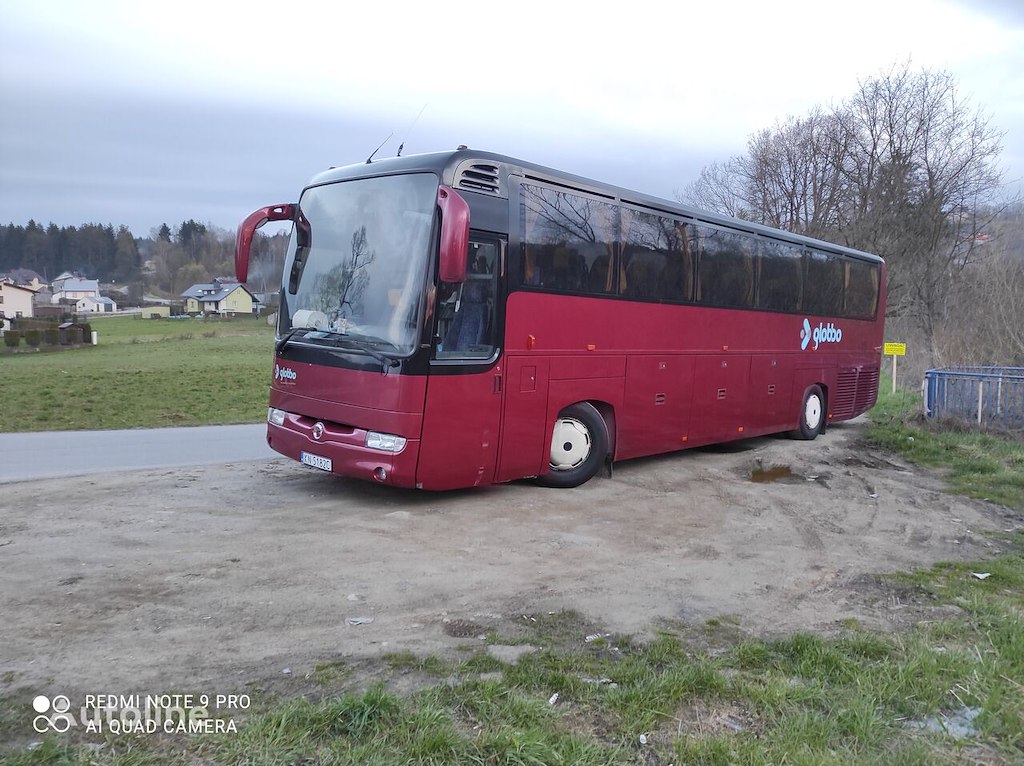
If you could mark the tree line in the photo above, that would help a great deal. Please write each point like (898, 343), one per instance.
(94, 249)
(908, 169)
(164, 263)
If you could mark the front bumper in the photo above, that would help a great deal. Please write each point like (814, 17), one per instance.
(346, 448)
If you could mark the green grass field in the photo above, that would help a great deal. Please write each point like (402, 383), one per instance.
(988, 466)
(143, 373)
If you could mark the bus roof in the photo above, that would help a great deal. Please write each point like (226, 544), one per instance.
(487, 172)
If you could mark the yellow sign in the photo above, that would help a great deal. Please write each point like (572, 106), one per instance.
(895, 349)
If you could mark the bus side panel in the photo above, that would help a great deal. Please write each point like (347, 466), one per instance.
(720, 398)
(523, 426)
(655, 416)
(587, 367)
(771, 385)
(459, 445)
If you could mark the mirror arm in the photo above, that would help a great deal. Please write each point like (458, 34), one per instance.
(247, 232)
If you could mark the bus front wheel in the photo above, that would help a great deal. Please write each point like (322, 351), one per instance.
(579, 444)
(812, 414)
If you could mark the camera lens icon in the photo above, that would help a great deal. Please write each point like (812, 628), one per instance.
(59, 722)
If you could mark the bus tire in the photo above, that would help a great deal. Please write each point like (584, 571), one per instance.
(579, 445)
(812, 414)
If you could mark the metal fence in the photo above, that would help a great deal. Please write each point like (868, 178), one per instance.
(989, 397)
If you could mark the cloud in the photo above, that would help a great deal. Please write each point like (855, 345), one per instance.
(140, 113)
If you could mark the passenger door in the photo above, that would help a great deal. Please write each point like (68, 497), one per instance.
(459, 443)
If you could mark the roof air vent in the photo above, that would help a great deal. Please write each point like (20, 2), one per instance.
(480, 177)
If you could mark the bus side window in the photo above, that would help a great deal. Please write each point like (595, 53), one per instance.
(567, 240)
(643, 273)
(677, 276)
(466, 311)
(656, 258)
(726, 270)
(781, 277)
(861, 293)
(599, 278)
(823, 287)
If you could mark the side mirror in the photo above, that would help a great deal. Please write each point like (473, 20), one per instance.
(246, 232)
(454, 235)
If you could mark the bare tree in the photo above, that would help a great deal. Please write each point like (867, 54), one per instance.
(923, 177)
(905, 168)
(720, 187)
(793, 174)
(790, 178)
(986, 322)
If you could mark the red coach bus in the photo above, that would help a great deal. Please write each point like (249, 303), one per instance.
(464, 318)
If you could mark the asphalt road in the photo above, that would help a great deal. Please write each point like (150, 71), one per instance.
(51, 454)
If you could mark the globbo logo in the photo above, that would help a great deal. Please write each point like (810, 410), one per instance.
(823, 333)
(285, 374)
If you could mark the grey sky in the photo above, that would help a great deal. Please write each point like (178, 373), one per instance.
(138, 113)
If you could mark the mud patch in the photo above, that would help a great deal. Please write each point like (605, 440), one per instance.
(760, 475)
(463, 629)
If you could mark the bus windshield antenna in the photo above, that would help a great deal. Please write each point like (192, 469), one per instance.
(378, 148)
(412, 124)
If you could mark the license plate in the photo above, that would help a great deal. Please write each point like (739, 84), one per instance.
(315, 461)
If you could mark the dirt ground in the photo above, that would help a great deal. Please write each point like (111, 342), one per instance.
(211, 579)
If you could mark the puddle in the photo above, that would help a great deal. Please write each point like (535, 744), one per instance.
(776, 472)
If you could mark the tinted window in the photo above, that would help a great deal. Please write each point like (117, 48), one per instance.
(568, 241)
(657, 257)
(861, 289)
(823, 290)
(726, 268)
(781, 277)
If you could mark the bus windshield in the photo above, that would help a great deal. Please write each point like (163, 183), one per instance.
(356, 265)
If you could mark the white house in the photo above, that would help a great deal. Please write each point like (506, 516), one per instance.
(92, 305)
(71, 289)
(58, 282)
(15, 303)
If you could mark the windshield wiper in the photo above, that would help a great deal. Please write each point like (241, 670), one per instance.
(366, 345)
(369, 340)
(287, 337)
(363, 344)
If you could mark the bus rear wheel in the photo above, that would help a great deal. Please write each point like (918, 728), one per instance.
(579, 444)
(812, 414)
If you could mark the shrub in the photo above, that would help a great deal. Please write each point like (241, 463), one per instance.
(73, 336)
(34, 337)
(12, 338)
(31, 323)
(51, 336)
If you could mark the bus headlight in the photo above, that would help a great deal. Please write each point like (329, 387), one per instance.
(276, 416)
(385, 442)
